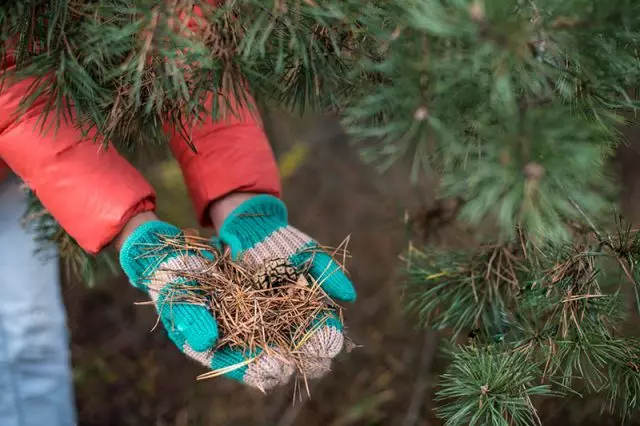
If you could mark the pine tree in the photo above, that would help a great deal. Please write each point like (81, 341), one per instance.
(516, 104)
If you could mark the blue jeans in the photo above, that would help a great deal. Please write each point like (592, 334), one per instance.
(35, 374)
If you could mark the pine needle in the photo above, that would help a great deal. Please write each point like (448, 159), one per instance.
(276, 320)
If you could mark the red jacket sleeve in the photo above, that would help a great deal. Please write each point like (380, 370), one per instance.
(92, 192)
(232, 155)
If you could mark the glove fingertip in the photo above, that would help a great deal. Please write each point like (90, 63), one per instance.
(195, 323)
(344, 292)
(203, 342)
(332, 279)
(226, 358)
(143, 239)
(233, 242)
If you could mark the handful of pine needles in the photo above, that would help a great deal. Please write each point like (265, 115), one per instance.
(273, 309)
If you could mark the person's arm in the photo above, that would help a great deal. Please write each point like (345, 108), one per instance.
(94, 193)
(233, 162)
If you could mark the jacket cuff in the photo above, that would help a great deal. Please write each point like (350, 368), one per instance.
(95, 245)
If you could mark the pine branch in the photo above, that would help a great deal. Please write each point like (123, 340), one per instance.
(54, 241)
(463, 290)
(490, 90)
(560, 307)
(490, 386)
(130, 66)
(624, 379)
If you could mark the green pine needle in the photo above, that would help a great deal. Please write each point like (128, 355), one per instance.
(54, 241)
(490, 386)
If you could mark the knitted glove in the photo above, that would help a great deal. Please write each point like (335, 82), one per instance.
(257, 231)
(152, 267)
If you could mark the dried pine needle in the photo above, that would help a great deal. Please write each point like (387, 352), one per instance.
(257, 309)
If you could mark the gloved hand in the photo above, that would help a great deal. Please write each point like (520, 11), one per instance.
(149, 263)
(258, 231)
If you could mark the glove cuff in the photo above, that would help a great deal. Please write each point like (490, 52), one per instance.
(253, 221)
(143, 250)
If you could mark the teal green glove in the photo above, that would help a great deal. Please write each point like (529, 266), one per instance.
(149, 265)
(257, 231)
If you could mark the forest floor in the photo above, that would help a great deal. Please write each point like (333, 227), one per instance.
(128, 375)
